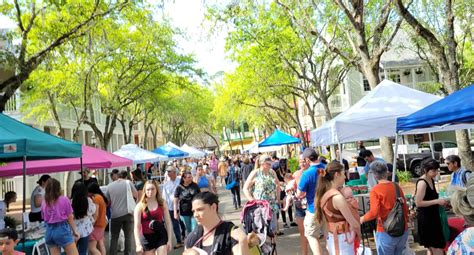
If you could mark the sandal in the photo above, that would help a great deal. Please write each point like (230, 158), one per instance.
(279, 233)
(178, 245)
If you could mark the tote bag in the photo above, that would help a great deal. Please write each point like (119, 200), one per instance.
(130, 201)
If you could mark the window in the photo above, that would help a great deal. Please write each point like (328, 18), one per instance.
(366, 85)
(450, 145)
(395, 77)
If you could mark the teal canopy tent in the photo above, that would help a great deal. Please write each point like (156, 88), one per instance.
(21, 142)
(18, 140)
(279, 138)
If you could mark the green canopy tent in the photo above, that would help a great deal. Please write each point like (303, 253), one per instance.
(21, 142)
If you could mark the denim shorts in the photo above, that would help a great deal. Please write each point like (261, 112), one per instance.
(58, 234)
(300, 212)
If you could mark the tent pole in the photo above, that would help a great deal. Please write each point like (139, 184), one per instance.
(82, 176)
(340, 152)
(431, 145)
(395, 154)
(24, 203)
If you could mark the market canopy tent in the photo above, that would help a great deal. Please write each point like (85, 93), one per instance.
(455, 111)
(279, 138)
(92, 158)
(373, 116)
(21, 142)
(18, 140)
(138, 155)
(192, 152)
(255, 149)
(170, 151)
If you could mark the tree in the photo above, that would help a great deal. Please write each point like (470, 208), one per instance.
(184, 111)
(368, 27)
(43, 29)
(444, 47)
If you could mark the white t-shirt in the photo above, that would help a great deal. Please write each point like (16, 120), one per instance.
(3, 213)
(37, 191)
(168, 189)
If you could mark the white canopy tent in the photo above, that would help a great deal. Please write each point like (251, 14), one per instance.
(374, 116)
(193, 152)
(139, 155)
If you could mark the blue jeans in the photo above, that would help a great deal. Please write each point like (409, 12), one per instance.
(190, 223)
(176, 230)
(389, 245)
(58, 234)
(82, 244)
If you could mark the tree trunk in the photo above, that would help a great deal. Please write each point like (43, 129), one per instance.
(444, 54)
(464, 149)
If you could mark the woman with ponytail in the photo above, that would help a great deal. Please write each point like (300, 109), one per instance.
(332, 207)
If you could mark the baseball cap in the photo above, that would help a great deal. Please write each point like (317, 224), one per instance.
(310, 153)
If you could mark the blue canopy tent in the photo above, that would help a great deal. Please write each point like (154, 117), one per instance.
(21, 142)
(453, 112)
(279, 138)
(170, 151)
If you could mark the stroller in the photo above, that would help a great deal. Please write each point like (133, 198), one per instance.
(256, 217)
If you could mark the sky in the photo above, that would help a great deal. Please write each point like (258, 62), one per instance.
(188, 15)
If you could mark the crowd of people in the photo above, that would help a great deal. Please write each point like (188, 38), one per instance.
(184, 206)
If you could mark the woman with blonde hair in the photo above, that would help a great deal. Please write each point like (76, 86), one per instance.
(150, 219)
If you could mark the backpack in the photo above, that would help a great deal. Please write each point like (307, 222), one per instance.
(464, 176)
(222, 244)
(394, 225)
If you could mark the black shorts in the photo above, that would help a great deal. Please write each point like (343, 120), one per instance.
(153, 241)
(35, 216)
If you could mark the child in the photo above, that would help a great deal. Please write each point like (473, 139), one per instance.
(8, 240)
(354, 206)
(290, 188)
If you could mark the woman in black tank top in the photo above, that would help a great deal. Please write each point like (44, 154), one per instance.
(213, 235)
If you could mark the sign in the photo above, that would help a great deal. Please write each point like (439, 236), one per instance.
(9, 148)
(407, 148)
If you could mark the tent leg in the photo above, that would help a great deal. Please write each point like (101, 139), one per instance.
(395, 155)
(340, 152)
(82, 176)
(24, 204)
(431, 145)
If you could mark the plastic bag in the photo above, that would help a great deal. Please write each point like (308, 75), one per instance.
(364, 250)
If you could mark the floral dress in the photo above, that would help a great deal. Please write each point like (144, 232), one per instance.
(265, 189)
(85, 225)
(463, 244)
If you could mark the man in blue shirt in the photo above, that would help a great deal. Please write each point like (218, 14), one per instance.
(459, 175)
(307, 188)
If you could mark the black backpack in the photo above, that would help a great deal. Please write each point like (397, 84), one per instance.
(394, 225)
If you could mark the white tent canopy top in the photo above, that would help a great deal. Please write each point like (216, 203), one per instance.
(374, 116)
(193, 152)
(139, 155)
